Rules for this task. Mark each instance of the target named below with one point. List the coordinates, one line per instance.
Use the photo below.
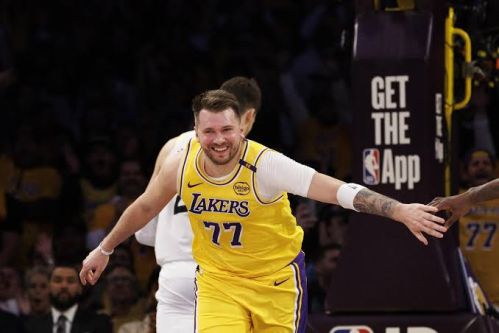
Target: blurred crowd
(90, 91)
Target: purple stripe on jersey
(302, 299)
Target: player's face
(220, 135)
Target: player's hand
(93, 266)
(419, 219)
(457, 205)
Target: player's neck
(221, 170)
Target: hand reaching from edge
(457, 205)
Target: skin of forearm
(133, 218)
(367, 201)
(485, 192)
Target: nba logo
(351, 329)
(371, 166)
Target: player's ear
(250, 115)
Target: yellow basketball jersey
(235, 230)
(479, 241)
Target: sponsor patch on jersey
(241, 188)
(371, 163)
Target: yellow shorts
(276, 303)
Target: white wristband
(104, 252)
(346, 193)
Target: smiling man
(247, 244)
(170, 232)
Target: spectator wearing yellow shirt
(32, 191)
(98, 181)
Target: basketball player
(251, 275)
(478, 212)
(171, 234)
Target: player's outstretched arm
(418, 218)
(141, 211)
(147, 234)
(460, 204)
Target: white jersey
(170, 232)
(171, 235)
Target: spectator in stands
(12, 298)
(306, 216)
(131, 183)
(478, 230)
(65, 313)
(121, 298)
(148, 324)
(319, 275)
(332, 225)
(69, 240)
(127, 141)
(122, 256)
(42, 250)
(37, 290)
(32, 191)
(98, 182)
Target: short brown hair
(215, 101)
(246, 90)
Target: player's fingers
(91, 277)
(421, 238)
(96, 274)
(433, 233)
(439, 204)
(88, 276)
(83, 274)
(434, 226)
(435, 201)
(429, 209)
(433, 218)
(450, 221)
(434, 222)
